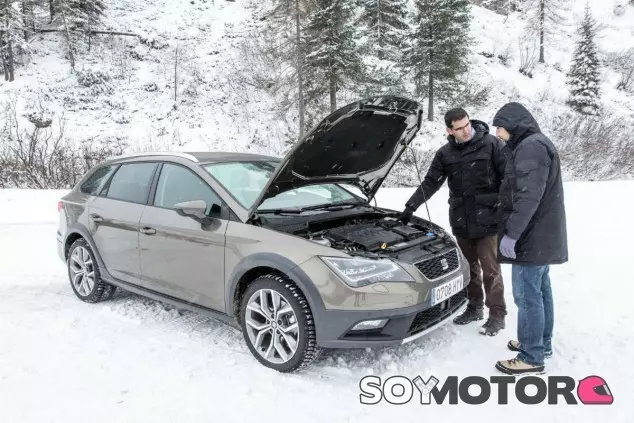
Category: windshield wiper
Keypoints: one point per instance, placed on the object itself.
(298, 210)
(336, 206)
(292, 210)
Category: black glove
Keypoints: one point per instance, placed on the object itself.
(406, 215)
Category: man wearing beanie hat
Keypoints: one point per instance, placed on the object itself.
(532, 233)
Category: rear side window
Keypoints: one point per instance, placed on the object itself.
(178, 184)
(132, 182)
(95, 182)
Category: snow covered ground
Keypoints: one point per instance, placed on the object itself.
(136, 360)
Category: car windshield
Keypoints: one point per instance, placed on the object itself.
(246, 180)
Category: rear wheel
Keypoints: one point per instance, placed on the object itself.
(278, 325)
(84, 276)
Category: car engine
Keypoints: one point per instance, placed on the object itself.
(385, 235)
(366, 232)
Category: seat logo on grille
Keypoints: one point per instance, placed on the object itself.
(444, 264)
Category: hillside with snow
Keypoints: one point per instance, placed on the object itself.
(123, 92)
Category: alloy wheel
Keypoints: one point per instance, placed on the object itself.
(272, 326)
(82, 271)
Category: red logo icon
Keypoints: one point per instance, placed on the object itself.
(594, 390)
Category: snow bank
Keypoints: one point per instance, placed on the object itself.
(29, 206)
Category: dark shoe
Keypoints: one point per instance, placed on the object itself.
(514, 345)
(471, 314)
(492, 327)
(515, 366)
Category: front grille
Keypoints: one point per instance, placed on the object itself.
(437, 313)
(439, 266)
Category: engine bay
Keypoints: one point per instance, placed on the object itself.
(370, 234)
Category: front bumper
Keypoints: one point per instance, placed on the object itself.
(404, 324)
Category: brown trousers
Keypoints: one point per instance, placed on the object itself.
(481, 254)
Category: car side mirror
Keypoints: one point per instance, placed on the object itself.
(196, 210)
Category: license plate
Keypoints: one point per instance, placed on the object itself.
(446, 290)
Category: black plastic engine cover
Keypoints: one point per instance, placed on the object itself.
(370, 236)
(407, 231)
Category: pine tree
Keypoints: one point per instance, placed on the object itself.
(439, 52)
(13, 35)
(385, 22)
(81, 15)
(88, 16)
(28, 18)
(545, 18)
(282, 37)
(332, 57)
(77, 17)
(584, 78)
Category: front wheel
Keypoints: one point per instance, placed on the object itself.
(278, 325)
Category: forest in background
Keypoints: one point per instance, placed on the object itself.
(307, 58)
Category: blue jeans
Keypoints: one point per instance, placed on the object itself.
(535, 319)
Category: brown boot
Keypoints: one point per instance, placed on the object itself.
(515, 366)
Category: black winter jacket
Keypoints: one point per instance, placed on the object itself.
(532, 196)
(474, 172)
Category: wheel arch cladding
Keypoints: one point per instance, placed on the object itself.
(70, 239)
(260, 264)
(76, 232)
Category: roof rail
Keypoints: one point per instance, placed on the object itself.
(161, 153)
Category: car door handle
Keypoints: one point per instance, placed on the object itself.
(148, 231)
(96, 218)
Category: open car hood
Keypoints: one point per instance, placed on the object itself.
(357, 145)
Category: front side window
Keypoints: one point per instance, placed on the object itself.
(95, 182)
(132, 182)
(246, 180)
(177, 184)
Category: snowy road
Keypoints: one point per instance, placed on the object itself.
(136, 360)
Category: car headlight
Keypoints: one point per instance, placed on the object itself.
(358, 272)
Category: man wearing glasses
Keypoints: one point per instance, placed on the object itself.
(473, 164)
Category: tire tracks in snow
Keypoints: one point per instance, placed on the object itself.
(218, 338)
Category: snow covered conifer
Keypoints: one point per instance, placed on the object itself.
(281, 41)
(584, 78)
(440, 47)
(14, 30)
(545, 21)
(75, 17)
(385, 23)
(332, 57)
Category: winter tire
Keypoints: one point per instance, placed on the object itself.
(277, 324)
(84, 276)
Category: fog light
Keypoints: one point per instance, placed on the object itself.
(370, 324)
